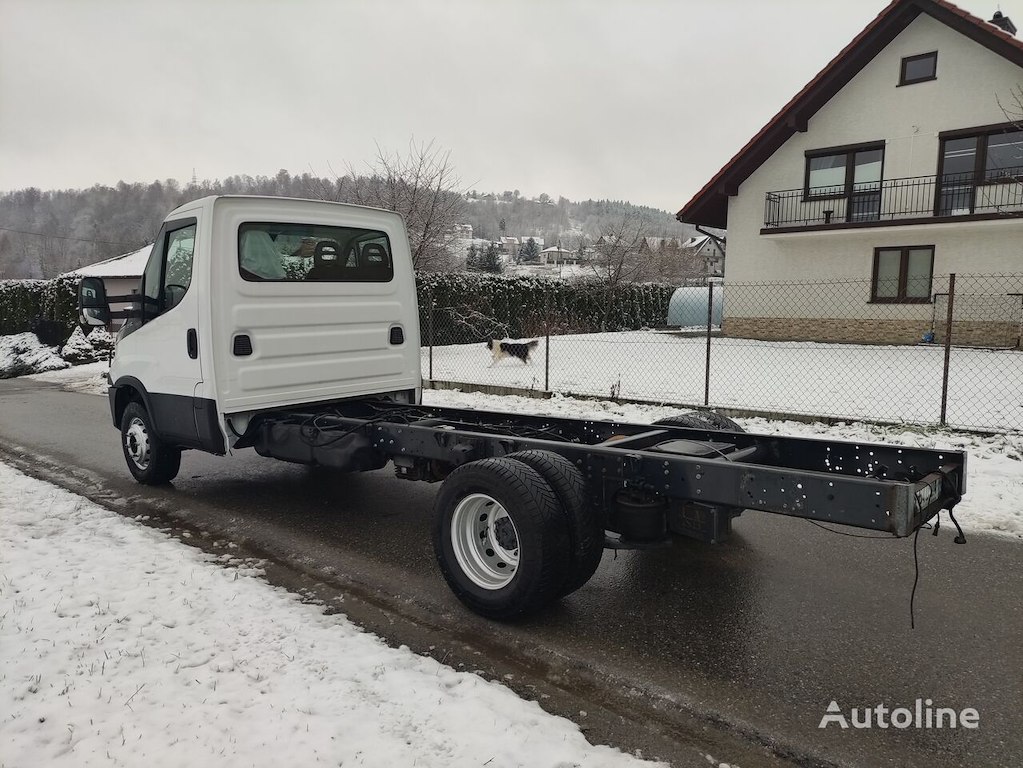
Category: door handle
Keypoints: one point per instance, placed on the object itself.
(192, 342)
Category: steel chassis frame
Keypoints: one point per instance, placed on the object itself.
(865, 485)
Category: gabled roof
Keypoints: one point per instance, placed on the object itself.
(129, 265)
(710, 205)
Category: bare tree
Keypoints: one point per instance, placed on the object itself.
(422, 186)
(1012, 108)
(616, 259)
(616, 254)
(55, 256)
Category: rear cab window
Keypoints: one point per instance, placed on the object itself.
(290, 252)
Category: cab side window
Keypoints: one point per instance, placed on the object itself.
(178, 274)
(169, 270)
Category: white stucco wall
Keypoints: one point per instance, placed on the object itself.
(120, 286)
(970, 80)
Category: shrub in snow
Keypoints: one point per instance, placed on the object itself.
(20, 301)
(23, 300)
(50, 332)
(78, 349)
(23, 353)
(102, 342)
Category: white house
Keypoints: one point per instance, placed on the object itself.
(558, 255)
(121, 275)
(899, 163)
(709, 250)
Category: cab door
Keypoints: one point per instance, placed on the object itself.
(160, 350)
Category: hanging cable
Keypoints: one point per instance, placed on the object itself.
(916, 578)
(76, 239)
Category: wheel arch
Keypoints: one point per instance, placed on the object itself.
(128, 389)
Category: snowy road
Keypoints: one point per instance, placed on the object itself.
(682, 652)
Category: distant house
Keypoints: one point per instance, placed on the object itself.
(462, 231)
(651, 244)
(709, 251)
(121, 275)
(510, 246)
(895, 166)
(558, 255)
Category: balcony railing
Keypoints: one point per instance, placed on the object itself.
(918, 197)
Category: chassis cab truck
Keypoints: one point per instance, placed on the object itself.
(291, 327)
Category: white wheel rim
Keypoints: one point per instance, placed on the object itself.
(485, 541)
(136, 443)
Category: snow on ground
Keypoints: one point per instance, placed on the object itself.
(122, 646)
(90, 378)
(23, 353)
(895, 383)
(994, 463)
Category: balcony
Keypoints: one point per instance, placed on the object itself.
(914, 200)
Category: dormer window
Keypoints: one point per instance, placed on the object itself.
(919, 69)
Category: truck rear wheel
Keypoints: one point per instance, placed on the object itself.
(501, 538)
(585, 526)
(700, 420)
(150, 460)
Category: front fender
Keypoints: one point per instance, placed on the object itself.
(121, 393)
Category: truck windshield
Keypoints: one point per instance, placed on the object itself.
(313, 252)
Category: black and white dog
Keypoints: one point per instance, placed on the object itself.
(520, 349)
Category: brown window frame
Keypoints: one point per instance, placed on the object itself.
(919, 57)
(982, 133)
(849, 150)
(901, 298)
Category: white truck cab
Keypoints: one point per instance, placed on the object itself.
(250, 304)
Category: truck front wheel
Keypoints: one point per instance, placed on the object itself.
(150, 460)
(501, 538)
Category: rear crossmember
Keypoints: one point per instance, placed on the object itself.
(645, 480)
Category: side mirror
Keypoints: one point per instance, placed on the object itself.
(93, 309)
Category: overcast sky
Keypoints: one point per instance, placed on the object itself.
(640, 100)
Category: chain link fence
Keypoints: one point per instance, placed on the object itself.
(946, 350)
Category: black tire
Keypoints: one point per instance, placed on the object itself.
(585, 525)
(539, 534)
(150, 460)
(700, 420)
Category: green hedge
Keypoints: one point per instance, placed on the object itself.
(467, 307)
(21, 301)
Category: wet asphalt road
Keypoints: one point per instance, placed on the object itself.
(754, 637)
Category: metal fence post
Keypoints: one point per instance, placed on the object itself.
(429, 322)
(710, 320)
(547, 343)
(948, 346)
